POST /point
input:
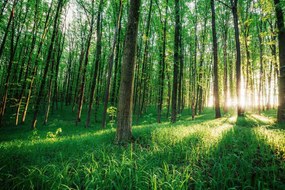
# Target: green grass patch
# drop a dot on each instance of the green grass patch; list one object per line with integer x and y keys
{"x": 205, "y": 153}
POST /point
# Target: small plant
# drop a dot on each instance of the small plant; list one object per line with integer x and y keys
{"x": 34, "y": 135}
{"x": 54, "y": 135}
{"x": 112, "y": 113}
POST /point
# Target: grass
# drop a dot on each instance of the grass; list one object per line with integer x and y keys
{"x": 206, "y": 153}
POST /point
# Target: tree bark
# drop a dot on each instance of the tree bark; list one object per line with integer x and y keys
{"x": 240, "y": 110}
{"x": 49, "y": 56}
{"x": 216, "y": 69}
{"x": 97, "y": 62}
{"x": 281, "y": 40}
{"x": 110, "y": 62}
{"x": 176, "y": 63}
{"x": 82, "y": 87}
{"x": 12, "y": 15}
{"x": 162, "y": 67}
{"x": 124, "y": 128}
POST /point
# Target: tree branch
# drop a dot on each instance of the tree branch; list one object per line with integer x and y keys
{"x": 224, "y": 4}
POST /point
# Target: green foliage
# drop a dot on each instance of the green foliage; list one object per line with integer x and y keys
{"x": 112, "y": 113}
{"x": 57, "y": 133}
{"x": 205, "y": 153}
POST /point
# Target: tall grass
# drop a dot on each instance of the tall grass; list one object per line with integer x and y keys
{"x": 207, "y": 153}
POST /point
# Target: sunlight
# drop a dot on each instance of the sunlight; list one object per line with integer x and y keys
{"x": 250, "y": 98}
{"x": 263, "y": 118}
{"x": 220, "y": 130}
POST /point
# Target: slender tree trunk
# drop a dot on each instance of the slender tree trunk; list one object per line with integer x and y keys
{"x": 33, "y": 43}
{"x": 9, "y": 69}
{"x": 225, "y": 57}
{"x": 124, "y": 128}
{"x": 261, "y": 73}
{"x": 238, "y": 57}
{"x": 82, "y": 87}
{"x": 201, "y": 70}
{"x": 114, "y": 95}
{"x": 144, "y": 82}
{"x": 49, "y": 56}
{"x": 97, "y": 63}
{"x": 81, "y": 59}
{"x": 111, "y": 60}
{"x": 162, "y": 67}
{"x": 12, "y": 15}
{"x": 34, "y": 72}
{"x": 176, "y": 62}
{"x": 3, "y": 8}
{"x": 216, "y": 69}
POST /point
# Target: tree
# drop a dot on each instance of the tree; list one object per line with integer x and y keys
{"x": 215, "y": 51}
{"x": 162, "y": 66}
{"x": 176, "y": 62}
{"x": 281, "y": 40}
{"x": 110, "y": 62}
{"x": 234, "y": 7}
{"x": 125, "y": 104}
{"x": 97, "y": 61}
{"x": 86, "y": 57}
{"x": 48, "y": 60}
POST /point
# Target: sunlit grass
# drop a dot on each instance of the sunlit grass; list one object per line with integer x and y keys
{"x": 205, "y": 153}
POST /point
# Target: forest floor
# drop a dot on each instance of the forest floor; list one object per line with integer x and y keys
{"x": 205, "y": 153}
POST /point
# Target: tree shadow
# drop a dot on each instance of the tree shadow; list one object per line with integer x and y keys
{"x": 241, "y": 160}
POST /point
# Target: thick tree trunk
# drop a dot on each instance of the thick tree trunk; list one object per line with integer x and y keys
{"x": 281, "y": 40}
{"x": 124, "y": 128}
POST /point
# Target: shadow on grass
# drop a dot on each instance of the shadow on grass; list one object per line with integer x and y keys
{"x": 241, "y": 160}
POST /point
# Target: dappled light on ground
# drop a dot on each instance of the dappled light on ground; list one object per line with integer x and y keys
{"x": 204, "y": 153}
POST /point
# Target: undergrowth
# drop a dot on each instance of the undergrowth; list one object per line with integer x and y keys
{"x": 206, "y": 153}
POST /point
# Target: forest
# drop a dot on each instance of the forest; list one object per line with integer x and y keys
{"x": 132, "y": 94}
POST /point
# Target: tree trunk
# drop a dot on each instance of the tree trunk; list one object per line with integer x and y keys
{"x": 176, "y": 62}
{"x": 240, "y": 110}
{"x": 216, "y": 69}
{"x": 33, "y": 43}
{"x": 162, "y": 67}
{"x": 110, "y": 62}
{"x": 281, "y": 40}
{"x": 97, "y": 62}
{"x": 124, "y": 128}
{"x": 261, "y": 72}
{"x": 82, "y": 87}
{"x": 49, "y": 56}
{"x": 12, "y": 14}
{"x": 9, "y": 69}
{"x": 225, "y": 38}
